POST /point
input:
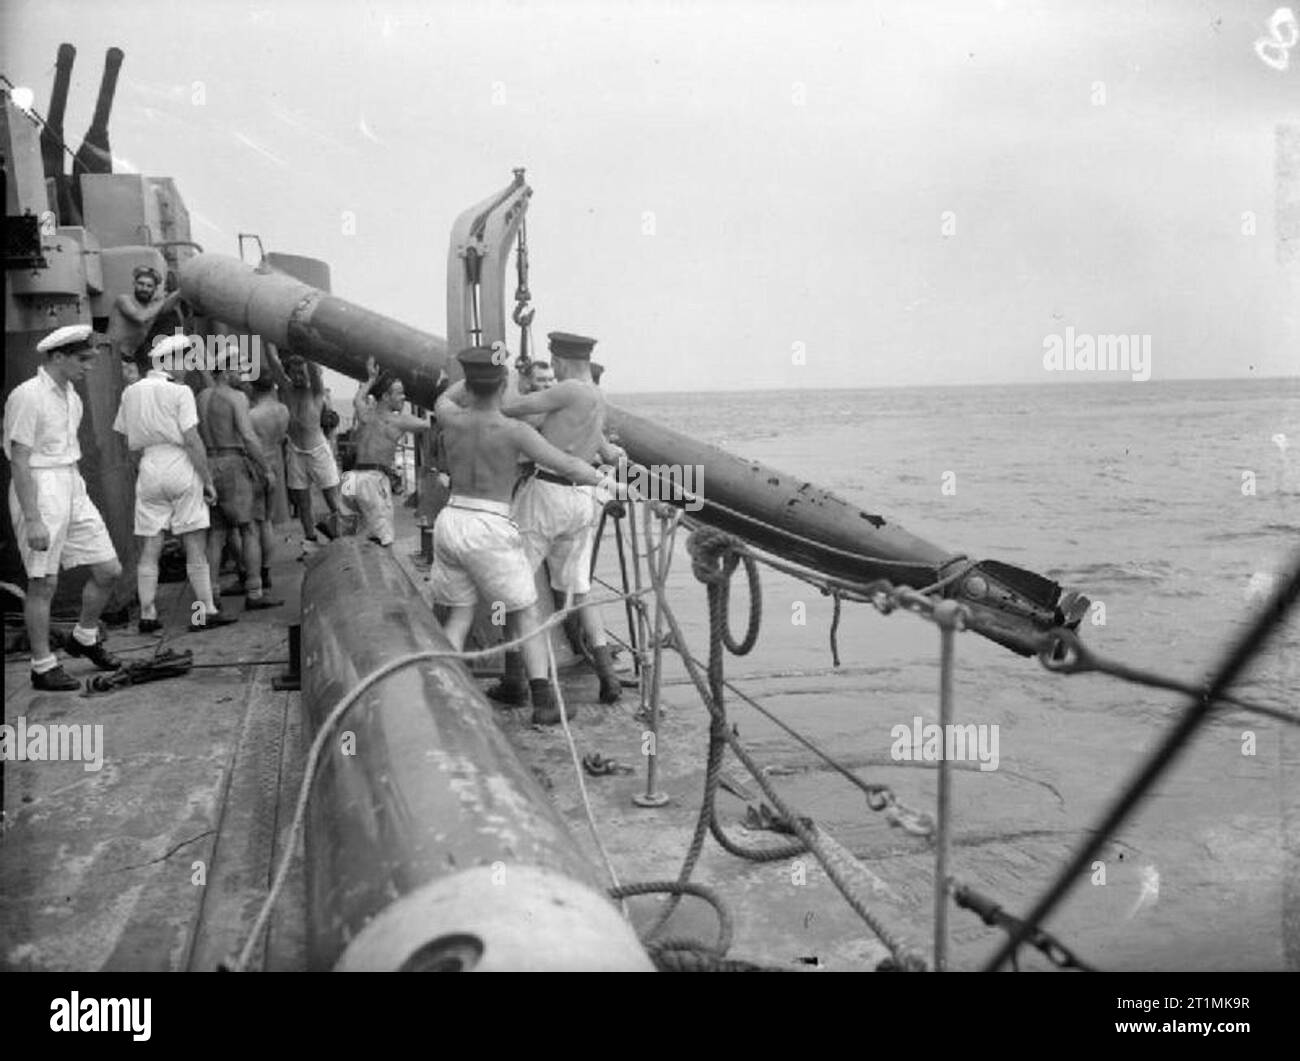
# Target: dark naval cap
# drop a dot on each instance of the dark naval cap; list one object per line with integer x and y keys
{"x": 573, "y": 347}
{"x": 483, "y": 363}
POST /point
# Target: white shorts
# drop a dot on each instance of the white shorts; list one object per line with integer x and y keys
{"x": 308, "y": 467}
{"x": 478, "y": 553}
{"x": 558, "y": 523}
{"x": 168, "y": 493}
{"x": 77, "y": 532}
{"x": 369, "y": 495}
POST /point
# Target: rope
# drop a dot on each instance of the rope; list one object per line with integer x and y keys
{"x": 714, "y": 557}
{"x": 679, "y": 888}
{"x": 573, "y": 753}
{"x": 712, "y": 695}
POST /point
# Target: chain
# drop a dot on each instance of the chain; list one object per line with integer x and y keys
{"x": 524, "y": 312}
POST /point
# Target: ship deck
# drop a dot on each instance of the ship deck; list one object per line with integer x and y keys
{"x": 161, "y": 859}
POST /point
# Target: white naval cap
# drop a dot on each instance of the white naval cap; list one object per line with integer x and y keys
{"x": 69, "y": 335}
{"x": 168, "y": 347}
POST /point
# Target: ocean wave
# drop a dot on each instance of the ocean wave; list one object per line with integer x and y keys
{"x": 1150, "y": 573}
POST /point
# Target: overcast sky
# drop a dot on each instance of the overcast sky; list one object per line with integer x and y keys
{"x": 798, "y": 160}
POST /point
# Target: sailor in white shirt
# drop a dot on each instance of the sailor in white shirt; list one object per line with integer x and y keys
{"x": 55, "y": 523}
{"x": 174, "y": 485}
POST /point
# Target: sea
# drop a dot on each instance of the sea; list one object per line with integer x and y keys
{"x": 1175, "y": 507}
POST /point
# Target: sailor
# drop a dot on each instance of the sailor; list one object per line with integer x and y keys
{"x": 309, "y": 459}
{"x": 132, "y": 316}
{"x": 54, "y": 521}
{"x": 239, "y": 471}
{"x": 174, "y": 485}
{"x": 378, "y": 425}
{"x": 557, "y": 514}
{"x": 539, "y": 376}
{"x": 477, "y": 546}
{"x": 270, "y": 418}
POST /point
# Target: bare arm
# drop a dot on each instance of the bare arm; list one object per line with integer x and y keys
{"x": 252, "y": 443}
{"x": 408, "y": 422}
{"x": 546, "y": 401}
{"x": 532, "y": 445}
{"x": 24, "y": 484}
{"x": 133, "y": 311}
{"x": 277, "y": 370}
{"x": 361, "y": 404}
{"x": 454, "y": 397}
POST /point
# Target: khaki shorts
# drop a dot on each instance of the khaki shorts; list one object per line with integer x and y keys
{"x": 559, "y": 523}
{"x": 240, "y": 490}
{"x": 168, "y": 494}
{"x": 478, "y": 554}
{"x": 77, "y": 532}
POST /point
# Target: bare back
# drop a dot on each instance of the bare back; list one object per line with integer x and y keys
{"x": 220, "y": 417}
{"x": 482, "y": 450}
{"x": 271, "y": 422}
{"x": 577, "y": 427}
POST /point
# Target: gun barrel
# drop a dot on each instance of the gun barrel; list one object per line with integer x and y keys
{"x": 52, "y": 131}
{"x": 107, "y": 88}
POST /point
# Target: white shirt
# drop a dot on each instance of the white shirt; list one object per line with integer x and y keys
{"x": 156, "y": 412}
{"x": 44, "y": 417}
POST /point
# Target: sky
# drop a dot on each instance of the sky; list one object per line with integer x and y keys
{"x": 740, "y": 195}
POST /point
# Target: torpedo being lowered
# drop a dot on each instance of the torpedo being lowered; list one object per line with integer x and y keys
{"x": 785, "y": 516}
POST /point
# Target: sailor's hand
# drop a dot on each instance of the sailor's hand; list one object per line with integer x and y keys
{"x": 209, "y": 494}
{"x": 616, "y": 453}
{"x": 372, "y": 367}
{"x": 38, "y": 536}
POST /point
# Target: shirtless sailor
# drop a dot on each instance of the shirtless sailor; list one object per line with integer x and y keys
{"x": 378, "y": 426}
{"x": 476, "y": 544}
{"x": 556, "y": 513}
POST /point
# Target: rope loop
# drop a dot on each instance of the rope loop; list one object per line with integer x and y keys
{"x": 714, "y": 558}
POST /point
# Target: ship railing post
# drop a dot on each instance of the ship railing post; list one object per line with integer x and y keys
{"x": 651, "y": 671}
{"x": 949, "y": 617}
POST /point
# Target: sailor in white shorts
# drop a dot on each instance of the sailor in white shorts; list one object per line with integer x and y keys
{"x": 174, "y": 485}
{"x": 478, "y": 553}
{"x": 55, "y": 523}
{"x": 559, "y": 520}
{"x": 367, "y": 493}
{"x": 311, "y": 467}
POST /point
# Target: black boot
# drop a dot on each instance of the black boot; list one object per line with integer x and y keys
{"x": 546, "y": 712}
{"x": 512, "y": 689}
{"x": 611, "y": 686}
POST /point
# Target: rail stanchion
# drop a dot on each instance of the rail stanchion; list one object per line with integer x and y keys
{"x": 948, "y": 615}
{"x": 660, "y": 557}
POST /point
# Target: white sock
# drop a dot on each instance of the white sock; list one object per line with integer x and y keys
{"x": 201, "y": 582}
{"x": 84, "y": 636}
{"x": 42, "y": 666}
{"x": 146, "y": 584}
